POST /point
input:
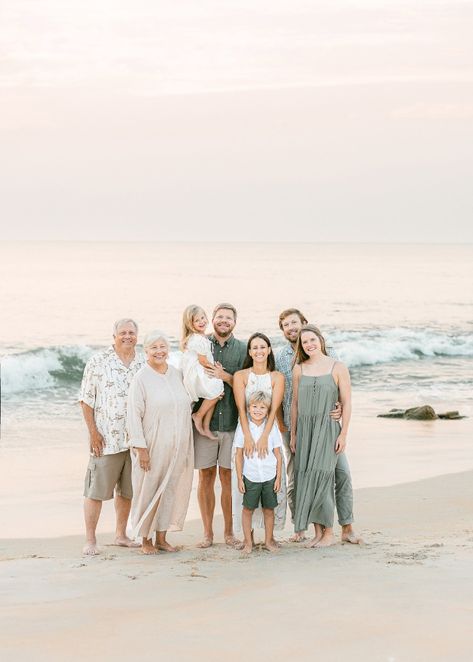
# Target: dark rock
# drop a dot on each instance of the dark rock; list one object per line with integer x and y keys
{"x": 393, "y": 413}
{"x": 424, "y": 413}
{"x": 451, "y": 415}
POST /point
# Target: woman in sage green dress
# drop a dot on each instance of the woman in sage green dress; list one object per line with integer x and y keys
{"x": 316, "y": 439}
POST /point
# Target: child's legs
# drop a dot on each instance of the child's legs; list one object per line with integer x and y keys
{"x": 246, "y": 519}
{"x": 205, "y": 407}
{"x": 208, "y": 417}
{"x": 268, "y": 515}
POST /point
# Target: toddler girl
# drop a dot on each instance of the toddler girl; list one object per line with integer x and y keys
{"x": 198, "y": 356}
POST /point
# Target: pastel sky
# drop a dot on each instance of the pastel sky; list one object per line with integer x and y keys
{"x": 235, "y": 120}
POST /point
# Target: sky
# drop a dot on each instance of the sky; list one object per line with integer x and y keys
{"x": 282, "y": 120}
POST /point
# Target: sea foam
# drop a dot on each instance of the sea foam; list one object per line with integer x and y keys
{"x": 50, "y": 367}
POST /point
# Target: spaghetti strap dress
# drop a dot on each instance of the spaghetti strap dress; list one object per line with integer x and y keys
{"x": 258, "y": 383}
{"x": 315, "y": 460}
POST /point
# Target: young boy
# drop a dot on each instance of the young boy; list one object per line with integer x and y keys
{"x": 259, "y": 479}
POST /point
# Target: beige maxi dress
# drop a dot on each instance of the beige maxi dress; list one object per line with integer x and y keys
{"x": 159, "y": 418}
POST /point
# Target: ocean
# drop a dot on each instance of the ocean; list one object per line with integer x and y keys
{"x": 400, "y": 316}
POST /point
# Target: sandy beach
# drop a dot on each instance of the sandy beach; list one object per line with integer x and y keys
{"x": 406, "y": 594}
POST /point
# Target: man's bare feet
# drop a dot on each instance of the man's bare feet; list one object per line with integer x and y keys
{"x": 298, "y": 537}
{"x": 125, "y": 541}
{"x": 165, "y": 547}
{"x": 247, "y": 549}
{"x": 91, "y": 549}
{"x": 271, "y": 546}
{"x": 348, "y": 535}
{"x": 231, "y": 541}
{"x": 148, "y": 548}
{"x": 205, "y": 543}
{"x": 198, "y": 424}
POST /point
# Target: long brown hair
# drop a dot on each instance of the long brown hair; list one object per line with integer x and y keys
{"x": 299, "y": 353}
{"x": 248, "y": 362}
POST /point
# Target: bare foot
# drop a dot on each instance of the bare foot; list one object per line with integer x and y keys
{"x": 276, "y": 542}
{"x": 205, "y": 543}
{"x": 247, "y": 549}
{"x": 148, "y": 548}
{"x": 351, "y": 537}
{"x": 271, "y": 546}
{"x": 231, "y": 541}
{"x": 298, "y": 537}
{"x": 91, "y": 549}
{"x": 125, "y": 541}
{"x": 325, "y": 541}
{"x": 165, "y": 547}
{"x": 198, "y": 424}
{"x": 314, "y": 542}
{"x": 208, "y": 433}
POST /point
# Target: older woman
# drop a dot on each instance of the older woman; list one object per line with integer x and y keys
{"x": 160, "y": 437}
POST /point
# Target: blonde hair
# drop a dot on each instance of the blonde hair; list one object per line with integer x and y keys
{"x": 187, "y": 323}
{"x": 260, "y": 396}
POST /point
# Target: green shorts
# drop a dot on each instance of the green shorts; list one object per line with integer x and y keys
{"x": 256, "y": 493}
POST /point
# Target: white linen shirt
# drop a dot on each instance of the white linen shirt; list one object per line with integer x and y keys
{"x": 105, "y": 387}
{"x": 259, "y": 469}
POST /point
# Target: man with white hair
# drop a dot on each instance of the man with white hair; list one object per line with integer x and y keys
{"x": 103, "y": 397}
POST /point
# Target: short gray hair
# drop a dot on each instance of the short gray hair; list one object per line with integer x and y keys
{"x": 124, "y": 320}
{"x": 151, "y": 337}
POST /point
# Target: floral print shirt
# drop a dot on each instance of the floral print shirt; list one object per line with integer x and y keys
{"x": 105, "y": 387}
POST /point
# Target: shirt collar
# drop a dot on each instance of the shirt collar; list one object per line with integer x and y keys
{"x": 214, "y": 340}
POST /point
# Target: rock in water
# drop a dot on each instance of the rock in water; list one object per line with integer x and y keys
{"x": 424, "y": 413}
{"x": 451, "y": 415}
{"x": 393, "y": 413}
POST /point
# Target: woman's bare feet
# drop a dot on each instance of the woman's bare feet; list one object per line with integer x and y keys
{"x": 148, "y": 548}
{"x": 91, "y": 549}
{"x": 205, "y": 543}
{"x": 165, "y": 547}
{"x": 125, "y": 541}
{"x": 271, "y": 546}
{"x": 327, "y": 540}
{"x": 247, "y": 549}
{"x": 348, "y": 535}
{"x": 314, "y": 542}
{"x": 298, "y": 537}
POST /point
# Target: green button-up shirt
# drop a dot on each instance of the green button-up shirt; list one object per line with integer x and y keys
{"x": 231, "y": 355}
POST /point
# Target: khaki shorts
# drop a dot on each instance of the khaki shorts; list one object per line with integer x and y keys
{"x": 208, "y": 453}
{"x": 106, "y": 474}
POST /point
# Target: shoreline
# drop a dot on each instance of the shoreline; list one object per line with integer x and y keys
{"x": 405, "y": 594}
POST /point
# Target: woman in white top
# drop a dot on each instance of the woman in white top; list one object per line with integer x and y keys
{"x": 197, "y": 356}
{"x": 258, "y": 374}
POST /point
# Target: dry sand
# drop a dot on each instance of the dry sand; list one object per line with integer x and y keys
{"x": 407, "y": 594}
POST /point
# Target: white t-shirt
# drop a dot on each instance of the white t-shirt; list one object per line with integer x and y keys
{"x": 259, "y": 469}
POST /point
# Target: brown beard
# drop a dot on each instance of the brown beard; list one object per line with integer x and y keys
{"x": 223, "y": 334}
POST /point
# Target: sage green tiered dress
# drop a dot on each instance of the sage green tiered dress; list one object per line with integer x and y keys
{"x": 315, "y": 460}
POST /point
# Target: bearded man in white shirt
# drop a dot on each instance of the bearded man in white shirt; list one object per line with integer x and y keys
{"x": 103, "y": 397}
